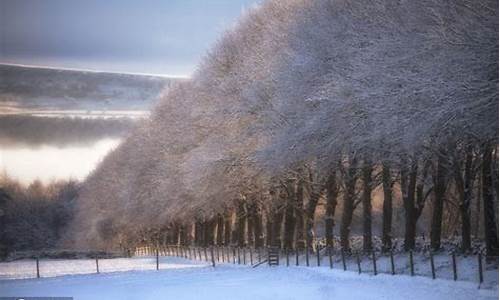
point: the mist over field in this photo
(57, 124)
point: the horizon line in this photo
(94, 71)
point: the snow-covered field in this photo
(183, 279)
(24, 269)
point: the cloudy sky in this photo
(153, 36)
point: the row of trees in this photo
(284, 215)
(309, 102)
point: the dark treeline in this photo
(34, 217)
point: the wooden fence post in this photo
(307, 256)
(330, 256)
(239, 258)
(287, 257)
(244, 249)
(212, 255)
(359, 262)
(279, 251)
(374, 263)
(480, 268)
(97, 264)
(454, 261)
(343, 260)
(393, 269)
(37, 268)
(157, 259)
(412, 270)
(296, 256)
(317, 256)
(433, 269)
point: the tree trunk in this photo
(367, 206)
(257, 223)
(408, 184)
(439, 194)
(464, 185)
(490, 225)
(220, 229)
(345, 226)
(209, 232)
(251, 211)
(182, 235)
(310, 212)
(203, 233)
(240, 225)
(387, 208)
(170, 234)
(276, 228)
(175, 234)
(195, 233)
(300, 243)
(269, 229)
(479, 198)
(228, 220)
(289, 222)
(331, 204)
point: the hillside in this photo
(24, 87)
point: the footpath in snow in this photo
(182, 279)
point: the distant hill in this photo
(37, 88)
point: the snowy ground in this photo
(183, 279)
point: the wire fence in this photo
(435, 265)
(453, 266)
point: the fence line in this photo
(254, 257)
(243, 255)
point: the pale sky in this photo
(152, 36)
